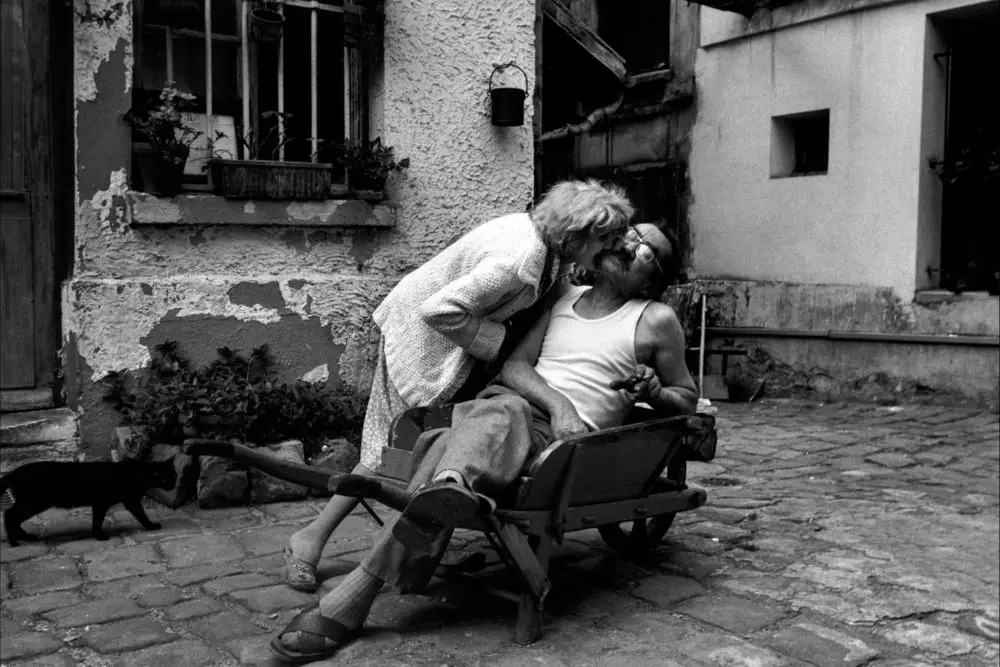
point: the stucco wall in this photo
(858, 223)
(306, 291)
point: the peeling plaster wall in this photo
(306, 291)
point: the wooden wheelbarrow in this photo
(628, 482)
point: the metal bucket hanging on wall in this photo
(508, 103)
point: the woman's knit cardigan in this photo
(450, 312)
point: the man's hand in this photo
(566, 422)
(642, 385)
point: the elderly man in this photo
(593, 354)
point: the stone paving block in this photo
(161, 596)
(123, 562)
(28, 645)
(694, 566)
(227, 519)
(200, 573)
(719, 649)
(196, 549)
(123, 588)
(984, 625)
(289, 511)
(271, 599)
(667, 590)
(225, 626)
(606, 570)
(272, 564)
(84, 544)
(4, 581)
(183, 653)
(263, 542)
(49, 573)
(935, 639)
(721, 531)
(237, 582)
(173, 527)
(89, 613)
(183, 611)
(822, 646)
(135, 633)
(730, 517)
(256, 651)
(891, 459)
(738, 503)
(60, 659)
(737, 615)
(36, 604)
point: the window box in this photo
(265, 179)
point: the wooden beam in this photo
(580, 33)
(632, 80)
(579, 128)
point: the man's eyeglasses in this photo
(643, 251)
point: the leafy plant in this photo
(233, 397)
(369, 163)
(163, 126)
(264, 141)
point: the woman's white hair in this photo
(573, 212)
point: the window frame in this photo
(362, 35)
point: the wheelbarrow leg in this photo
(533, 567)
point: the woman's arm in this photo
(459, 309)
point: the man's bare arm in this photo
(668, 386)
(520, 375)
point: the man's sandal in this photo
(434, 507)
(318, 630)
(299, 574)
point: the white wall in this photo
(857, 224)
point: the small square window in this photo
(800, 144)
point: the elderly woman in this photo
(446, 321)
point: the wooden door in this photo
(27, 282)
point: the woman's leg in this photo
(307, 544)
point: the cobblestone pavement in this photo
(833, 535)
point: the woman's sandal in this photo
(299, 574)
(319, 629)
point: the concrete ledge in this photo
(215, 210)
(19, 429)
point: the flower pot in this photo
(266, 25)
(264, 179)
(160, 175)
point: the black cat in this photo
(36, 487)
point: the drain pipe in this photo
(858, 336)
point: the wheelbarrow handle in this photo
(315, 478)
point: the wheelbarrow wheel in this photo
(642, 536)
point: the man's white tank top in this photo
(580, 357)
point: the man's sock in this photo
(350, 603)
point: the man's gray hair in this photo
(573, 212)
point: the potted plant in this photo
(260, 175)
(168, 138)
(368, 165)
(266, 21)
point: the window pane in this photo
(190, 14)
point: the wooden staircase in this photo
(31, 429)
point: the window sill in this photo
(929, 296)
(197, 209)
(801, 174)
